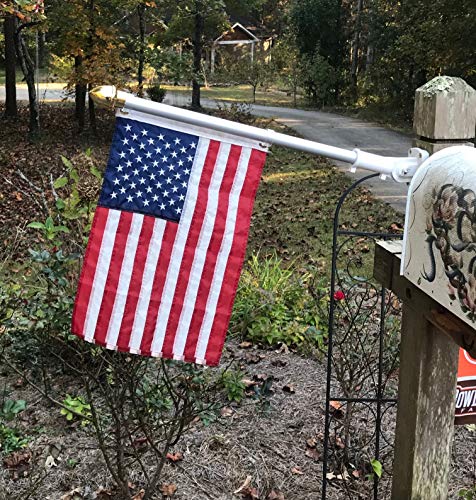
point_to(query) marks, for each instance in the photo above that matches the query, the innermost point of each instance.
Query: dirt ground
(264, 451)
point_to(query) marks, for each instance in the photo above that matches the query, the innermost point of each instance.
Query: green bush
(156, 93)
(274, 305)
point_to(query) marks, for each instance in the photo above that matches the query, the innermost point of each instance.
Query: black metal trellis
(363, 346)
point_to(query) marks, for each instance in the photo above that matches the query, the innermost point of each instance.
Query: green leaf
(96, 172)
(60, 182)
(88, 152)
(49, 224)
(66, 162)
(377, 467)
(74, 175)
(36, 225)
(60, 204)
(62, 229)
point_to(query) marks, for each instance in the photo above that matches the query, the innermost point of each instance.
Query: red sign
(466, 390)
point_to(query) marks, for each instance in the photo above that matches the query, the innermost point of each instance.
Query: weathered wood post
(438, 275)
(445, 114)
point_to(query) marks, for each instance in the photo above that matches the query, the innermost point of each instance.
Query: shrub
(156, 93)
(273, 305)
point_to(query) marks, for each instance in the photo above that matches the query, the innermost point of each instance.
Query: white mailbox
(440, 230)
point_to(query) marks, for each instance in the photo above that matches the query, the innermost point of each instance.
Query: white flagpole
(400, 169)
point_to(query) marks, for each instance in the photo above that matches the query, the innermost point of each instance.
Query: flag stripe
(235, 261)
(193, 313)
(89, 270)
(194, 259)
(100, 276)
(194, 203)
(222, 259)
(170, 232)
(113, 275)
(136, 283)
(125, 275)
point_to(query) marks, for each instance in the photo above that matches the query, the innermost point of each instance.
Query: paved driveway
(328, 128)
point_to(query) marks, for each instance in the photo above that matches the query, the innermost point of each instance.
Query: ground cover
(266, 444)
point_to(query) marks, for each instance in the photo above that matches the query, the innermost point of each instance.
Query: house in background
(240, 42)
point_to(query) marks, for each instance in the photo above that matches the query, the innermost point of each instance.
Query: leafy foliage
(272, 305)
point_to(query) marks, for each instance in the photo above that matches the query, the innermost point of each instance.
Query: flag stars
(189, 158)
(158, 151)
(144, 132)
(193, 145)
(139, 159)
(119, 168)
(174, 154)
(125, 177)
(128, 128)
(141, 145)
(158, 185)
(149, 189)
(135, 137)
(150, 141)
(161, 171)
(171, 202)
(162, 206)
(148, 154)
(139, 194)
(186, 171)
(142, 180)
(125, 141)
(132, 185)
(174, 189)
(122, 154)
(130, 199)
(135, 171)
(167, 145)
(183, 150)
(169, 180)
(181, 197)
(164, 159)
(161, 137)
(146, 202)
(113, 195)
(177, 141)
(122, 190)
(132, 150)
(155, 198)
(155, 163)
(171, 167)
(152, 177)
(178, 210)
(177, 176)
(165, 194)
(129, 163)
(116, 182)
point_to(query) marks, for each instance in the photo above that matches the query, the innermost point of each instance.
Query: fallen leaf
(246, 345)
(243, 486)
(248, 383)
(16, 459)
(276, 495)
(297, 470)
(226, 412)
(311, 442)
(74, 494)
(336, 409)
(140, 495)
(313, 453)
(356, 473)
(250, 493)
(289, 388)
(168, 489)
(174, 457)
(50, 462)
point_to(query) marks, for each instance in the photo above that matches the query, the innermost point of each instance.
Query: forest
(335, 52)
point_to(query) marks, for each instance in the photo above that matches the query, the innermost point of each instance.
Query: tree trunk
(9, 26)
(92, 113)
(354, 64)
(80, 94)
(140, 70)
(197, 55)
(28, 69)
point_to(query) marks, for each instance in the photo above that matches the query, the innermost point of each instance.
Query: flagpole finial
(107, 96)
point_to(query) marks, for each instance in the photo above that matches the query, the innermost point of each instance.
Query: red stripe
(190, 247)
(88, 272)
(158, 286)
(114, 272)
(136, 283)
(212, 253)
(235, 260)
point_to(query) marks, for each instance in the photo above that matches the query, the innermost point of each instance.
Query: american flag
(168, 240)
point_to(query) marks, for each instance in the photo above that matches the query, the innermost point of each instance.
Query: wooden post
(445, 114)
(427, 384)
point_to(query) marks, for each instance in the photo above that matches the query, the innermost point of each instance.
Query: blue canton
(148, 169)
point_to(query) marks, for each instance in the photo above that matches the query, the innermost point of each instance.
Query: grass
(241, 93)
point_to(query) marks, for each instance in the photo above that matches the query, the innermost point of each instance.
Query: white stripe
(222, 258)
(201, 252)
(179, 247)
(100, 276)
(124, 281)
(146, 286)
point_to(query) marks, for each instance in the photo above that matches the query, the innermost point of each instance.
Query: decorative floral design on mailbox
(440, 230)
